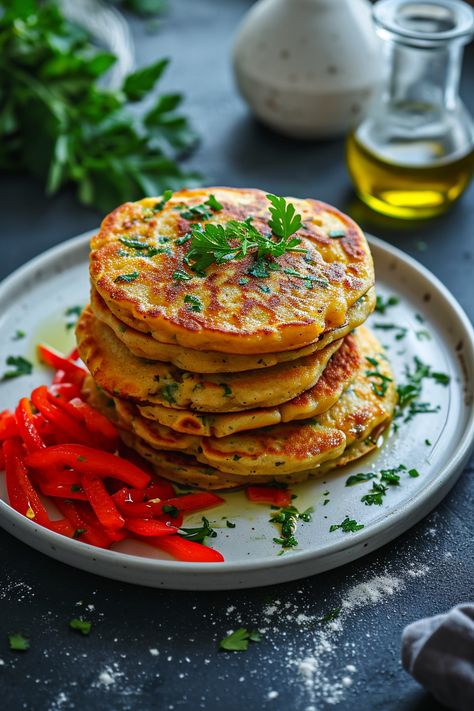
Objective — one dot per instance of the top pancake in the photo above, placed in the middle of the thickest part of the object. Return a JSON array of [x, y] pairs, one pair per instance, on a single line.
[[303, 296]]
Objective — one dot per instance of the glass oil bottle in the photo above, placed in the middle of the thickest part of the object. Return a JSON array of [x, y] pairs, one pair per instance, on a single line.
[[413, 156]]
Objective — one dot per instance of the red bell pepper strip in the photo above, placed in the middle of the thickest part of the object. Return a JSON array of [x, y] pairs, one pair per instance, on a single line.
[[53, 358], [175, 520], [190, 502], [126, 495], [64, 390], [73, 355], [82, 529], [187, 551], [64, 422], [8, 426], [149, 527], [24, 497], [269, 495], [159, 489], [89, 461], [27, 426], [61, 491], [88, 514], [93, 420], [102, 503], [2, 460]]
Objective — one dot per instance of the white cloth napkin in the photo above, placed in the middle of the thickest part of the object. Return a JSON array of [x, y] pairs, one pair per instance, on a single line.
[[439, 652]]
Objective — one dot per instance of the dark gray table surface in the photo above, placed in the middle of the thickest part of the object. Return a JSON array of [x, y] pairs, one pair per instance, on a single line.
[[114, 668]]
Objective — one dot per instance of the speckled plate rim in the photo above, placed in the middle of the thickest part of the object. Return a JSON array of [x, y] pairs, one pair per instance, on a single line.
[[262, 571]]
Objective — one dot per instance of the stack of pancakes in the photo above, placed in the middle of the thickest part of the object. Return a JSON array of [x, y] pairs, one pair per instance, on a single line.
[[254, 370]]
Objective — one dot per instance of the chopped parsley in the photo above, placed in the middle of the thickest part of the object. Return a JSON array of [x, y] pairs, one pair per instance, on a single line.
[[229, 524], [410, 391], [194, 302], [203, 211], [171, 510], [72, 315], [381, 304], [238, 641], [19, 334], [79, 532], [358, 478], [146, 250], [375, 495], [19, 366], [423, 335], [309, 279], [158, 206], [288, 518], [80, 625], [349, 525], [414, 473], [18, 642], [401, 331], [168, 391], [180, 275], [428, 442], [380, 385], [227, 390], [332, 615], [127, 278], [198, 534]]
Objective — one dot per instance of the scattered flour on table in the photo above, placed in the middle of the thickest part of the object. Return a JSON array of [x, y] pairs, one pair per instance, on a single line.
[[15, 590]]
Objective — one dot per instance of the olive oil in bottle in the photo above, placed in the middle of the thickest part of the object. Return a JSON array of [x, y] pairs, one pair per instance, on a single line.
[[413, 154], [425, 187]]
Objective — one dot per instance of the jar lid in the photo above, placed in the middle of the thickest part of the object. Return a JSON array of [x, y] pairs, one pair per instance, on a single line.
[[424, 23]]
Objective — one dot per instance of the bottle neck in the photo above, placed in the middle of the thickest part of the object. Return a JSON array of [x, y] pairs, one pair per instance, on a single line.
[[424, 78]]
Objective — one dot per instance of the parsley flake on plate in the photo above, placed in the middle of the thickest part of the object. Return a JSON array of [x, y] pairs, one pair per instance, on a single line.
[[19, 366], [381, 304], [349, 525], [198, 534]]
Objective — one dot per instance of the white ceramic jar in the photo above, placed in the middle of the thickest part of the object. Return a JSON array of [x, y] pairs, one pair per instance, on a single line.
[[308, 68]]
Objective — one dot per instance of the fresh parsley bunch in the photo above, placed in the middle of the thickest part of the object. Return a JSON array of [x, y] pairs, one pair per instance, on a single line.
[[58, 123]]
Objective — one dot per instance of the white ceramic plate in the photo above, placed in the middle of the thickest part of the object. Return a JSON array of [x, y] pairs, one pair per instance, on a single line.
[[35, 298]]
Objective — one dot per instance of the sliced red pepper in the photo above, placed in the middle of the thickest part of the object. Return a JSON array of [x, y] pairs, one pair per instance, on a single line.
[[175, 520], [269, 495], [25, 498], [53, 358], [96, 423], [187, 551], [8, 426], [89, 461], [82, 529], [159, 489], [2, 460], [149, 527], [64, 390], [61, 420], [27, 429], [73, 355], [102, 503], [61, 491], [59, 377], [192, 502], [113, 535]]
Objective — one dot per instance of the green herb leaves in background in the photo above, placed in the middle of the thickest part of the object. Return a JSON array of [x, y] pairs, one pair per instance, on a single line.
[[59, 124], [18, 642], [18, 366], [80, 625]]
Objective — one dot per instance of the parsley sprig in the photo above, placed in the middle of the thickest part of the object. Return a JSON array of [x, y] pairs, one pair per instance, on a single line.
[[59, 123], [217, 243], [238, 641], [199, 533], [409, 392]]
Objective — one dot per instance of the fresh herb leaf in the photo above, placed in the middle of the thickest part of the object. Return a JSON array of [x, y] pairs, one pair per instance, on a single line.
[[409, 392], [227, 390], [72, 314], [19, 334], [158, 206], [331, 615], [79, 532], [401, 331], [381, 304], [349, 525], [428, 442], [203, 211], [194, 302], [61, 124], [168, 392], [284, 219], [381, 385], [414, 473], [229, 524], [126, 278], [171, 510], [198, 534], [238, 641], [287, 518], [80, 625], [358, 478], [375, 495], [18, 642], [20, 366], [180, 275]]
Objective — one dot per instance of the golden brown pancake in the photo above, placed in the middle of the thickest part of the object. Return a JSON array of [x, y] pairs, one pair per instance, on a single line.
[[337, 376], [303, 296], [287, 448], [123, 375], [144, 345]]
